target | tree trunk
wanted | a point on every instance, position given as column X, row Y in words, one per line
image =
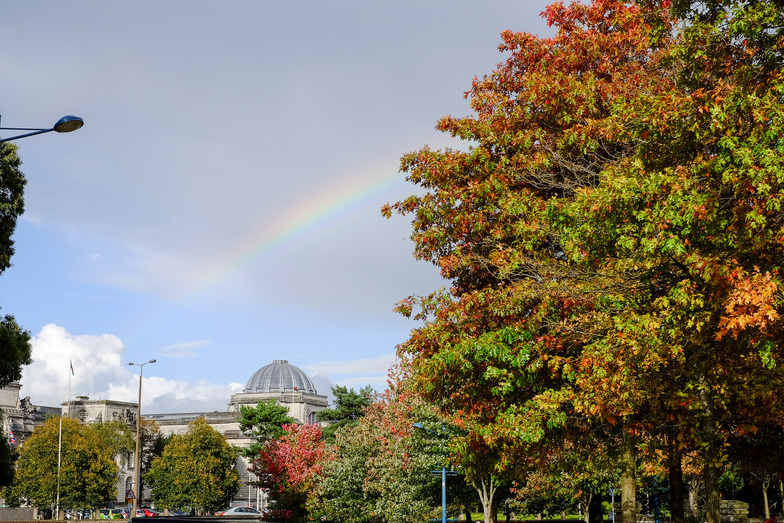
column 765, row 484
column 781, row 491
column 676, row 487
column 628, row 481
column 712, row 495
column 486, row 489
column 711, row 471
column 693, row 495
column 595, row 512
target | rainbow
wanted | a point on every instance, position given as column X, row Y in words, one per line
column 305, row 220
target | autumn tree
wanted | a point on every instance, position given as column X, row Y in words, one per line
column 86, row 475
column 696, row 219
column 500, row 347
column 196, row 469
column 348, row 408
column 286, row 469
column 612, row 234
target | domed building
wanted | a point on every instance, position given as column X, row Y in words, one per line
column 286, row 384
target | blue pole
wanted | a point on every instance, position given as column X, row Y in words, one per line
column 443, row 494
column 656, row 498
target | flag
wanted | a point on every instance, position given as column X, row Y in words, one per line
column 11, row 436
column 71, row 363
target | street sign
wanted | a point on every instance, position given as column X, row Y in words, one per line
column 129, row 495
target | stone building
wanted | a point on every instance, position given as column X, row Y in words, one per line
column 281, row 381
column 20, row 416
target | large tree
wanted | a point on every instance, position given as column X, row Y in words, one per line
column 613, row 236
column 196, row 470
column 696, row 218
column 500, row 346
column 14, row 341
column 86, row 475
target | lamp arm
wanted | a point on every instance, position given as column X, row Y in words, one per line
column 39, row 131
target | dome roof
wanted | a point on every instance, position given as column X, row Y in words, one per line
column 280, row 376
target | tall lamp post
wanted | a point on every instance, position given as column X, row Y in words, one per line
column 443, row 472
column 136, row 478
column 66, row 124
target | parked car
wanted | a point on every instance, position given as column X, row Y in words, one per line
column 239, row 511
column 148, row 512
column 110, row 513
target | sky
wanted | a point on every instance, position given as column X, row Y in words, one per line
column 220, row 208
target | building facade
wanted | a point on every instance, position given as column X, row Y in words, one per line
column 281, row 381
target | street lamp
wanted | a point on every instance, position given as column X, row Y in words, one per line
column 443, row 472
column 66, row 124
column 138, row 424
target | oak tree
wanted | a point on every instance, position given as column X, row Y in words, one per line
column 612, row 234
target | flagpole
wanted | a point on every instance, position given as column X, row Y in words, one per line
column 59, row 456
column 60, row 443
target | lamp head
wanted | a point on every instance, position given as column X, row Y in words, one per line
column 66, row 124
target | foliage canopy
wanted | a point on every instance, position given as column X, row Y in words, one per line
column 196, row 470
column 87, row 471
column 613, row 234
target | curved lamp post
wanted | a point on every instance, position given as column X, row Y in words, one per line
column 136, row 474
column 66, row 124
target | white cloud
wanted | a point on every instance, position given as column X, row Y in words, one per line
column 100, row 373
column 183, row 350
